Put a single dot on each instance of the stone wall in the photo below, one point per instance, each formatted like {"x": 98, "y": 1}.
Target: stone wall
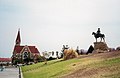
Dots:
{"x": 100, "y": 46}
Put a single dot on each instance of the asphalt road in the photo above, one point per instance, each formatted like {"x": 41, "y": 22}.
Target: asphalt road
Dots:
{"x": 9, "y": 73}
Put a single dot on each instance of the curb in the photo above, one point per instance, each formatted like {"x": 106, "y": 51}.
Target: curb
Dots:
{"x": 20, "y": 73}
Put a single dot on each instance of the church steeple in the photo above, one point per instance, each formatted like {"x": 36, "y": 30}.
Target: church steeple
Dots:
{"x": 18, "y": 40}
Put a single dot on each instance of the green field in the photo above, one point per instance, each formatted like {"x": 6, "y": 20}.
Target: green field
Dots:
{"x": 104, "y": 65}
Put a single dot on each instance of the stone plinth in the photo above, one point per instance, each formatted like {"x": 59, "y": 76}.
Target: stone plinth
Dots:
{"x": 100, "y": 46}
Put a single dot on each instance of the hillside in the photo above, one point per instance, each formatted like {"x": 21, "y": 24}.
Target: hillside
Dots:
{"x": 102, "y": 65}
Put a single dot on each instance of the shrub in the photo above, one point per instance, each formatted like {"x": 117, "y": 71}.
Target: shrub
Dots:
{"x": 69, "y": 54}
{"x": 118, "y": 48}
{"x": 41, "y": 59}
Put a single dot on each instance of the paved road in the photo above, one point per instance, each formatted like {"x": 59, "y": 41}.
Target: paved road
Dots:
{"x": 9, "y": 73}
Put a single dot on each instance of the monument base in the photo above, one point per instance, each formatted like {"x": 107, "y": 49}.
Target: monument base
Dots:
{"x": 100, "y": 47}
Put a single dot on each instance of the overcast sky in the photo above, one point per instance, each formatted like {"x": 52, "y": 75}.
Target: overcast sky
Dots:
{"x": 49, "y": 24}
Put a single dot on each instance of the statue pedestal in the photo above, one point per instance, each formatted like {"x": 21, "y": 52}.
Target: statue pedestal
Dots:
{"x": 100, "y": 47}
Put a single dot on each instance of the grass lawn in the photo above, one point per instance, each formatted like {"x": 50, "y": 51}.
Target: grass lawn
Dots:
{"x": 89, "y": 67}
{"x": 50, "y": 70}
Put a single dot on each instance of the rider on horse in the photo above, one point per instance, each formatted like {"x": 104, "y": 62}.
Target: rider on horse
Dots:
{"x": 98, "y": 31}
{"x": 98, "y": 34}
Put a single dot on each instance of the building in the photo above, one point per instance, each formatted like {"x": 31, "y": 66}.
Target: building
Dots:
{"x": 5, "y": 61}
{"x": 24, "y": 53}
{"x": 52, "y": 54}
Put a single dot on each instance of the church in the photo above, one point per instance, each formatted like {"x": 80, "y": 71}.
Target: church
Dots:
{"x": 24, "y": 54}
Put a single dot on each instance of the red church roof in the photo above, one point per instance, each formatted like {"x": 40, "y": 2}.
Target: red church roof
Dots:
{"x": 18, "y": 40}
{"x": 18, "y": 48}
{"x": 33, "y": 49}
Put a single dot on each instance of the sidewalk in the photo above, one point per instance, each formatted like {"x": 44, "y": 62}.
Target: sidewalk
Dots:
{"x": 10, "y": 73}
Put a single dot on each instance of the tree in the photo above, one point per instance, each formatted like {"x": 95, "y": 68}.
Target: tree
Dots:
{"x": 90, "y": 50}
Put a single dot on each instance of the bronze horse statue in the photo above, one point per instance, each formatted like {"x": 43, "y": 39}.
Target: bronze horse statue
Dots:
{"x": 96, "y": 35}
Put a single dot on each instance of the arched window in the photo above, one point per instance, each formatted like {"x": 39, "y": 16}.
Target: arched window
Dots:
{"x": 25, "y": 55}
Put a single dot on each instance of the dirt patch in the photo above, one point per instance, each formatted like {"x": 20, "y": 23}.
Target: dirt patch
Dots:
{"x": 101, "y": 55}
{"x": 90, "y": 72}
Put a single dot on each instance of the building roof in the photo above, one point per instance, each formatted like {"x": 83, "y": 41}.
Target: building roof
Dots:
{"x": 18, "y": 49}
{"x": 5, "y": 59}
{"x": 18, "y": 39}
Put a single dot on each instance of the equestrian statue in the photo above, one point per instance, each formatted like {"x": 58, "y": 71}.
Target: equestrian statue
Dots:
{"x": 99, "y": 35}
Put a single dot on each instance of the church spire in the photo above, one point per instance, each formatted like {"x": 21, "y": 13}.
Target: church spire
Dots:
{"x": 18, "y": 40}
